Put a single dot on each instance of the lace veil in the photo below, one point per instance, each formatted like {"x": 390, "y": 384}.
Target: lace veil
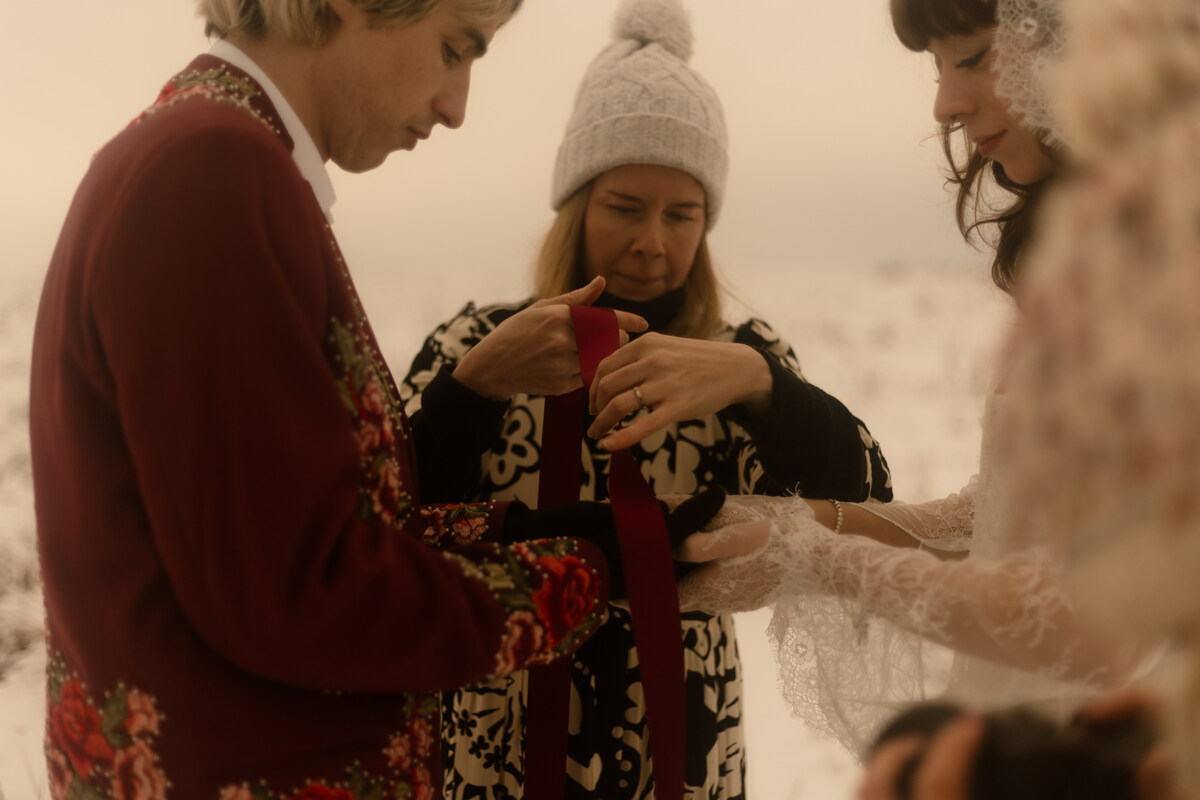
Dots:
{"x": 1107, "y": 377}
{"x": 1029, "y": 42}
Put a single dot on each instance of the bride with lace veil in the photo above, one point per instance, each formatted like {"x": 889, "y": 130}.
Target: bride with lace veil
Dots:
{"x": 861, "y": 625}
{"x": 1105, "y": 444}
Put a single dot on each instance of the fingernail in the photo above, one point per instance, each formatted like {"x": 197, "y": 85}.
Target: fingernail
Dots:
{"x": 604, "y": 443}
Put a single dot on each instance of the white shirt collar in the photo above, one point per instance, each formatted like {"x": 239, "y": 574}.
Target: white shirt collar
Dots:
{"x": 304, "y": 150}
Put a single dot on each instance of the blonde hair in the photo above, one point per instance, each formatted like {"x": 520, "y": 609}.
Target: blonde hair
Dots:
{"x": 308, "y": 22}
{"x": 560, "y": 260}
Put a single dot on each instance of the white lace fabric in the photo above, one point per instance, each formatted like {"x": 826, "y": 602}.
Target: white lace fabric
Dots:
{"x": 944, "y": 524}
{"x": 1029, "y": 42}
{"x": 860, "y": 627}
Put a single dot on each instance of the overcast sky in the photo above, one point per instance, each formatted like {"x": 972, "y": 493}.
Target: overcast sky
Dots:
{"x": 832, "y": 160}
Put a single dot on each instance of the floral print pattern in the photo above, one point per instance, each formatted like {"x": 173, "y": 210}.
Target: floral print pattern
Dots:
{"x": 546, "y": 618}
{"x": 104, "y": 751}
{"x": 362, "y": 391}
{"x": 218, "y": 85}
{"x": 455, "y": 525}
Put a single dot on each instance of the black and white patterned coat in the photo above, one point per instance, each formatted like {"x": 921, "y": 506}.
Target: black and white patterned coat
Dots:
{"x": 807, "y": 443}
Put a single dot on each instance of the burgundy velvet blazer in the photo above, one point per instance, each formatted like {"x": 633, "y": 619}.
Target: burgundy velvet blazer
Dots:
{"x": 245, "y": 596}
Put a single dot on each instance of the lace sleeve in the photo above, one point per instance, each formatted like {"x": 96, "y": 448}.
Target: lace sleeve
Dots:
{"x": 944, "y": 524}
{"x": 854, "y": 620}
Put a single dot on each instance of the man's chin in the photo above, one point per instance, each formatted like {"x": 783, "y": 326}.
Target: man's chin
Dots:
{"x": 359, "y": 162}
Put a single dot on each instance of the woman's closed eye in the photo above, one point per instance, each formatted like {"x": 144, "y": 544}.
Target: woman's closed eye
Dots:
{"x": 450, "y": 55}
{"x": 969, "y": 63}
{"x": 974, "y": 61}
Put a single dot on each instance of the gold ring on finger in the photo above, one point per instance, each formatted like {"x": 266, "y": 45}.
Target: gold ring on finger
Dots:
{"x": 637, "y": 392}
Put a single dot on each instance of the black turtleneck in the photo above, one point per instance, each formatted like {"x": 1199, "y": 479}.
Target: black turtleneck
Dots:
{"x": 659, "y": 312}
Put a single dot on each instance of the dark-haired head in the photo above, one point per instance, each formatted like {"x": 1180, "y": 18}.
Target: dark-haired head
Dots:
{"x": 916, "y": 22}
{"x": 1003, "y": 220}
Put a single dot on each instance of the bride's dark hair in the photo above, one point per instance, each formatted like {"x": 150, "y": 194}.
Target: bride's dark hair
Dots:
{"x": 1012, "y": 212}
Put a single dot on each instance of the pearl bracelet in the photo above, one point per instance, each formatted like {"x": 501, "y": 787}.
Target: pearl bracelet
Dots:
{"x": 837, "y": 506}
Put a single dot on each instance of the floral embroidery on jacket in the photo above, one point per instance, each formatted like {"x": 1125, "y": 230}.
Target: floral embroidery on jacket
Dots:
{"x": 408, "y": 753}
{"x": 101, "y": 751}
{"x": 455, "y": 525}
{"x": 107, "y": 752}
{"x": 546, "y": 619}
{"x": 216, "y": 84}
{"x": 364, "y": 394}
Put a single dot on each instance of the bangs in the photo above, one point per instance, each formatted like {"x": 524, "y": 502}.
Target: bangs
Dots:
{"x": 916, "y": 22}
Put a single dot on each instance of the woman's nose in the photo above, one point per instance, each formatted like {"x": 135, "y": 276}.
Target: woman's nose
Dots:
{"x": 953, "y": 101}
{"x": 649, "y": 238}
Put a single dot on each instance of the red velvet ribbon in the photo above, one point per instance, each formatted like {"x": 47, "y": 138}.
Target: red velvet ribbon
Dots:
{"x": 649, "y": 578}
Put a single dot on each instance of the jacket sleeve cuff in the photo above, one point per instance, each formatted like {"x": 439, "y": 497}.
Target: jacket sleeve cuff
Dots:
{"x": 807, "y": 441}
{"x": 459, "y": 418}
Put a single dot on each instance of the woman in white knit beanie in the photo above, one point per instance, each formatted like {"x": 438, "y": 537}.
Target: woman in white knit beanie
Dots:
{"x": 639, "y": 180}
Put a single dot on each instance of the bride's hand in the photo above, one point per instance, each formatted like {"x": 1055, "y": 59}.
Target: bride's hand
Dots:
{"x": 677, "y": 379}
{"x": 753, "y": 562}
{"x": 751, "y": 508}
{"x": 736, "y": 572}
{"x": 728, "y": 542}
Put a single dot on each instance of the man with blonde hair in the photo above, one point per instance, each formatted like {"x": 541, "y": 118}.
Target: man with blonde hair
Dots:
{"x": 246, "y": 595}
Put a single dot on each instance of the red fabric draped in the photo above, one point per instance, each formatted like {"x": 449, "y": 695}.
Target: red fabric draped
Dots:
{"x": 649, "y": 577}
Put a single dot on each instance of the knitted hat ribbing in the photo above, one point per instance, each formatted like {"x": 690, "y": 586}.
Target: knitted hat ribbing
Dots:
{"x": 640, "y": 103}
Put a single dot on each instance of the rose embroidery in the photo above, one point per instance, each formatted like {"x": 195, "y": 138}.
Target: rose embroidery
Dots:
{"x": 76, "y": 729}
{"x": 143, "y": 716}
{"x": 399, "y": 752}
{"x": 523, "y": 638}
{"x": 59, "y": 772}
{"x": 567, "y": 596}
{"x": 136, "y": 776}
{"x": 422, "y": 785}
{"x": 365, "y": 395}
{"x": 458, "y": 525}
{"x": 420, "y": 732}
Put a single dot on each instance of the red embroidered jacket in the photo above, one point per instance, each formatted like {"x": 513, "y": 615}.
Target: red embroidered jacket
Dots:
{"x": 245, "y": 597}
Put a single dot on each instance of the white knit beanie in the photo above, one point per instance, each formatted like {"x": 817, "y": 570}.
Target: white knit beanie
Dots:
{"x": 640, "y": 103}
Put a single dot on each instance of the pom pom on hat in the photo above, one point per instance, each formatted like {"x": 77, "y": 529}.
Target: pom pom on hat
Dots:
{"x": 640, "y": 103}
{"x": 662, "y": 22}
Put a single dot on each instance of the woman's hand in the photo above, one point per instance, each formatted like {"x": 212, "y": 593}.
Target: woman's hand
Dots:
{"x": 534, "y": 351}
{"x": 678, "y": 379}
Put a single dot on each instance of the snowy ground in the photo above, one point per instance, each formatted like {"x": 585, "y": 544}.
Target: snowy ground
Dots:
{"x": 907, "y": 348}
